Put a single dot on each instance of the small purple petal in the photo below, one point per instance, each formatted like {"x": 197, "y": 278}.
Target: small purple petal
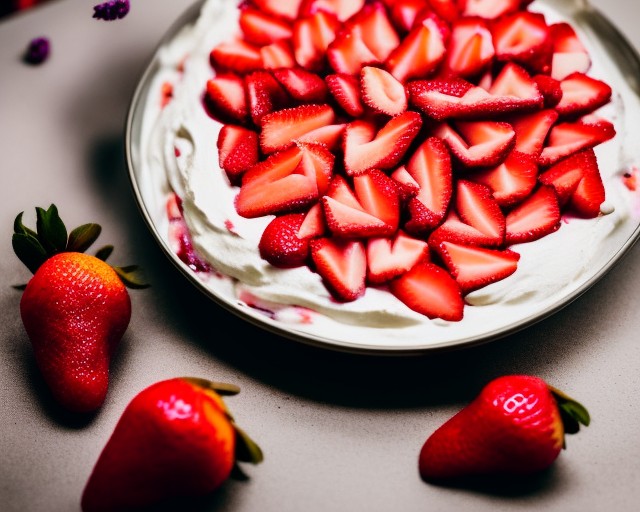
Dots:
{"x": 37, "y": 51}
{"x": 113, "y": 10}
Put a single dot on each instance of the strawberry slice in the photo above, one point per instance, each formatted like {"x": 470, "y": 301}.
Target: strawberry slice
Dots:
{"x": 418, "y": 54}
{"x": 313, "y": 225}
{"x": 374, "y": 26}
{"x": 341, "y": 9}
{"x": 582, "y": 94}
{"x": 534, "y": 218}
{"x": 280, "y": 243}
{"x": 453, "y": 229}
{"x": 364, "y": 149}
{"x": 578, "y": 183}
{"x": 431, "y": 291}
{"x": 477, "y": 207}
{"x": 311, "y": 38}
{"x": 236, "y": 56}
{"x": 569, "y": 54}
{"x": 379, "y": 196}
{"x": 342, "y": 264}
{"x": 287, "y": 9}
{"x": 470, "y": 49}
{"x": 388, "y": 258}
{"x": 515, "y": 85}
{"x": 261, "y": 28}
{"x": 512, "y": 180}
{"x": 430, "y": 169}
{"x": 302, "y": 85}
{"x": 474, "y": 267}
{"x": 278, "y": 55}
{"x": 448, "y": 10}
{"x": 345, "y": 89}
{"x": 264, "y": 95}
{"x": 570, "y": 137}
{"x": 280, "y": 129}
{"x": 226, "y": 99}
{"x": 382, "y": 92}
{"x": 237, "y": 150}
{"x": 532, "y": 130}
{"x": 489, "y": 9}
{"x": 407, "y": 186}
{"x": 329, "y": 136}
{"x": 478, "y": 143}
{"x": 403, "y": 13}
{"x": 348, "y": 52}
{"x": 550, "y": 89}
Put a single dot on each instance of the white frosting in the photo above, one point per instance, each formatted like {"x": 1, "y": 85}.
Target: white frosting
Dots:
{"x": 558, "y": 266}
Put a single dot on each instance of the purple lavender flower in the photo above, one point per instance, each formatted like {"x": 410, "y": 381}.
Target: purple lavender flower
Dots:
{"x": 37, "y": 51}
{"x": 113, "y": 10}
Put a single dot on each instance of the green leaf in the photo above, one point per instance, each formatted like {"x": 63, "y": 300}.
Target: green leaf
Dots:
{"x": 237, "y": 473}
{"x": 131, "y": 276}
{"x": 246, "y": 449}
{"x": 52, "y": 232}
{"x": 20, "y": 228}
{"x": 29, "y": 250}
{"x": 573, "y": 413}
{"x": 82, "y": 237}
{"x": 104, "y": 252}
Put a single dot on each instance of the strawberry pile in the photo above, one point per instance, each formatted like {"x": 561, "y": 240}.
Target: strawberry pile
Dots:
{"x": 407, "y": 144}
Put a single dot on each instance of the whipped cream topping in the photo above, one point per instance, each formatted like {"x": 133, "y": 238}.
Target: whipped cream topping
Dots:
{"x": 178, "y": 154}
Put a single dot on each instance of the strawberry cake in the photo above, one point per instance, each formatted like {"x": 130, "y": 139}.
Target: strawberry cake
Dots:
{"x": 397, "y": 174}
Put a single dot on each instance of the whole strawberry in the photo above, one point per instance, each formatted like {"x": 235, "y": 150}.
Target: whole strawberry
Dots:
{"x": 176, "y": 439}
{"x": 75, "y": 308}
{"x": 515, "y": 426}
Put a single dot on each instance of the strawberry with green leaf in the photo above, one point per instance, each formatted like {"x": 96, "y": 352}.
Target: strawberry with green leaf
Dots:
{"x": 75, "y": 308}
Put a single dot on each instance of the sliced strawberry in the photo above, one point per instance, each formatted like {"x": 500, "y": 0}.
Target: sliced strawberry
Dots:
{"x": 282, "y": 128}
{"x": 346, "y": 91}
{"x": 474, "y": 267}
{"x": 582, "y": 94}
{"x": 280, "y": 244}
{"x": 477, "y": 207}
{"x": 570, "y": 137}
{"x": 313, "y": 225}
{"x": 489, "y": 9}
{"x": 261, "y": 28}
{"x": 302, "y": 85}
{"x": 285, "y": 8}
{"x": 311, "y": 38}
{"x": 388, "y": 258}
{"x": 226, "y": 98}
{"x": 516, "y": 86}
{"x": 578, "y": 183}
{"x": 532, "y": 130}
{"x": 478, "y": 143}
{"x": 382, "y": 92}
{"x": 534, "y": 218}
{"x": 365, "y": 149}
{"x": 341, "y": 9}
{"x": 418, "y": 54}
{"x": 264, "y": 95}
{"x": 348, "y": 52}
{"x": 512, "y": 180}
{"x": 278, "y": 54}
{"x": 430, "y": 169}
{"x": 407, "y": 186}
{"x": 449, "y": 98}
{"x": 550, "y": 89}
{"x": 329, "y": 136}
{"x": 523, "y": 37}
{"x": 237, "y": 150}
{"x": 431, "y": 291}
{"x": 379, "y": 196}
{"x": 569, "y": 54}
{"x": 342, "y": 264}
{"x": 376, "y": 30}
{"x": 317, "y": 161}
{"x": 236, "y": 56}
{"x": 404, "y": 13}
{"x": 448, "y": 10}
{"x": 470, "y": 50}
{"x": 453, "y": 229}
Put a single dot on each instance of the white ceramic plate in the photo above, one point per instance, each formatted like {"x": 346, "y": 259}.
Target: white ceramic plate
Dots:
{"x": 576, "y": 255}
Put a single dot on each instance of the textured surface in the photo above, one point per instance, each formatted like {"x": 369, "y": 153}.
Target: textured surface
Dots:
{"x": 339, "y": 432}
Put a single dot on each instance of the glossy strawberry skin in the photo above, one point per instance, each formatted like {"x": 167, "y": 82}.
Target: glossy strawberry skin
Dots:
{"x": 513, "y": 427}
{"x": 174, "y": 439}
{"x": 75, "y": 310}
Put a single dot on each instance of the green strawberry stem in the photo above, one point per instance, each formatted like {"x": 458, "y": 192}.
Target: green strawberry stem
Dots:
{"x": 572, "y": 412}
{"x": 33, "y": 248}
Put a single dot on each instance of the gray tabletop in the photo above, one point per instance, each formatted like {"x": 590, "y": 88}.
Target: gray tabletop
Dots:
{"x": 340, "y": 432}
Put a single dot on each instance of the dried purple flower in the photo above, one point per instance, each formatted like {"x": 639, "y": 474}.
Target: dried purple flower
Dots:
{"x": 37, "y": 51}
{"x": 113, "y": 10}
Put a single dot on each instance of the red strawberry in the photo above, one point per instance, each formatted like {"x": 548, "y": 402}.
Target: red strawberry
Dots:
{"x": 261, "y": 28}
{"x": 477, "y": 207}
{"x": 345, "y": 89}
{"x": 382, "y": 92}
{"x": 313, "y": 224}
{"x": 287, "y": 9}
{"x": 280, "y": 129}
{"x": 514, "y": 427}
{"x": 490, "y": 9}
{"x": 226, "y": 98}
{"x": 448, "y": 10}
{"x": 532, "y": 130}
{"x": 430, "y": 169}
{"x": 302, "y": 85}
{"x": 403, "y": 13}
{"x": 582, "y": 94}
{"x": 264, "y": 95}
{"x": 342, "y": 9}
{"x": 366, "y": 149}
{"x": 550, "y": 89}
{"x": 377, "y": 32}
{"x": 311, "y": 38}
{"x": 176, "y": 439}
{"x": 75, "y": 308}
{"x": 348, "y": 52}
{"x": 474, "y": 267}
{"x": 453, "y": 229}
{"x": 569, "y": 54}
{"x": 280, "y": 243}
{"x": 535, "y": 217}
{"x": 388, "y": 258}
{"x": 236, "y": 56}
{"x": 237, "y": 150}
{"x": 342, "y": 264}
{"x": 429, "y": 290}
{"x": 277, "y": 55}
{"x": 471, "y": 48}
